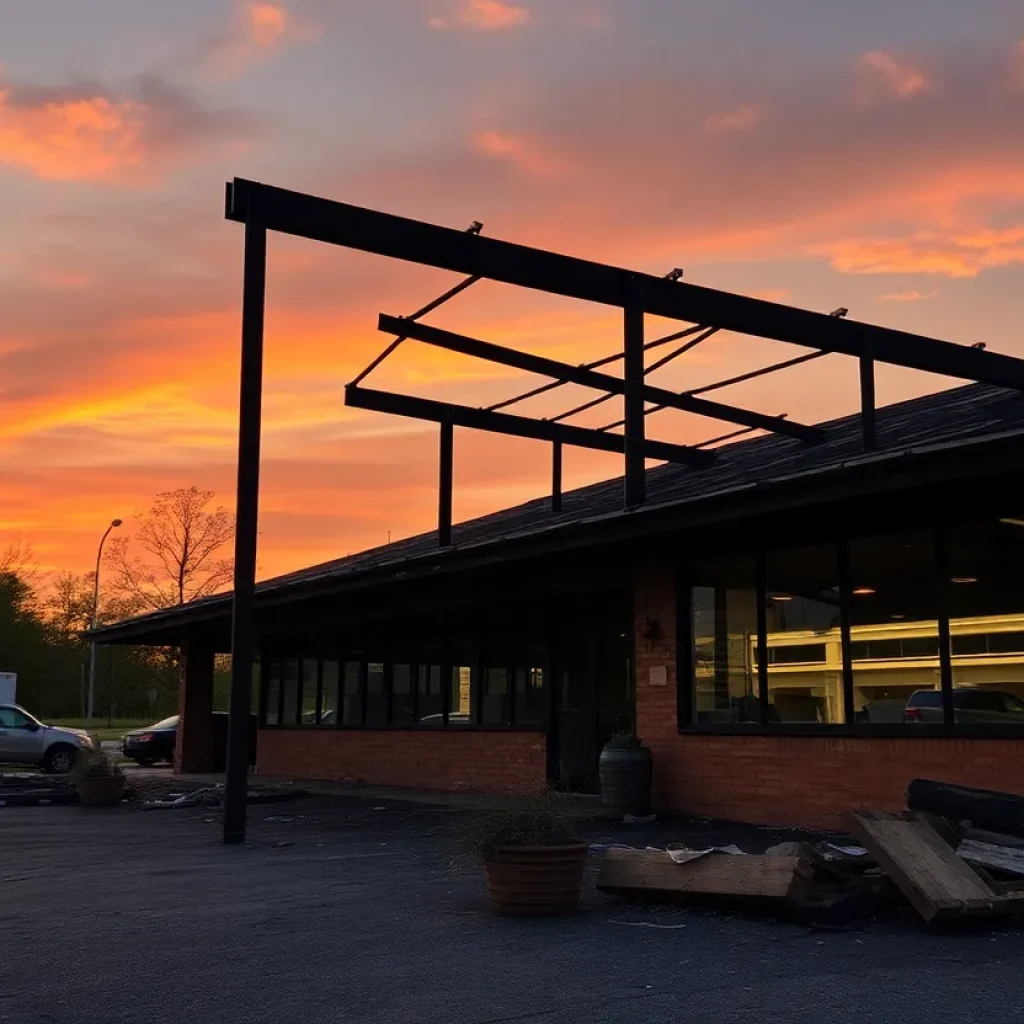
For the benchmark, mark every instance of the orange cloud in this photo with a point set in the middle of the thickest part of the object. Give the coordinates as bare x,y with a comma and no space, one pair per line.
739,119
954,254
909,296
484,16
84,131
261,27
84,138
884,75
521,150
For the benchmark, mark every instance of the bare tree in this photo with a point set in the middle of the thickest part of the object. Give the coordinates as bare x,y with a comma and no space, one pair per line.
18,559
185,541
68,604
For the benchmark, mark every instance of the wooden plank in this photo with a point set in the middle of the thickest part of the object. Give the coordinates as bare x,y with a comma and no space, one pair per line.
1001,858
928,872
994,838
653,873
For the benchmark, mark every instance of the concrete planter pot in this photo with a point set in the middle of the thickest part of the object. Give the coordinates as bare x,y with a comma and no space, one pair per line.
626,780
535,879
101,790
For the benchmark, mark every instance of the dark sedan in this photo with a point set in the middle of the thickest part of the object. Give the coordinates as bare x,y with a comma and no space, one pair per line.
152,744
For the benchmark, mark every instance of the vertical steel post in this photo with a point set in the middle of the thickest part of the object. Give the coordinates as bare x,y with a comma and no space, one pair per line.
556,478
636,480
867,393
445,485
246,513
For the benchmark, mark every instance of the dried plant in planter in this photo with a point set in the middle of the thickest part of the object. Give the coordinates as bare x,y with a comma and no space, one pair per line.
98,778
95,763
533,858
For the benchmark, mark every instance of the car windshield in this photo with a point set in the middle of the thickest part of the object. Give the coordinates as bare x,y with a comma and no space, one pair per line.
167,723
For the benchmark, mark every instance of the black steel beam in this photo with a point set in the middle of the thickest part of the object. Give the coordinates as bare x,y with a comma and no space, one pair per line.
446,484
867,399
415,241
243,605
633,347
591,378
516,426
556,478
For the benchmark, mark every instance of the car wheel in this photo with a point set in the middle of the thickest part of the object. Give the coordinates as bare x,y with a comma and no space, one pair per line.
59,760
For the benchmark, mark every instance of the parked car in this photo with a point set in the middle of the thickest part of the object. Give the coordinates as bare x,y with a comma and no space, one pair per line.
970,704
24,740
152,744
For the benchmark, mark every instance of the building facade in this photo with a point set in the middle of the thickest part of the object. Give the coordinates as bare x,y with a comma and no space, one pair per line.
794,633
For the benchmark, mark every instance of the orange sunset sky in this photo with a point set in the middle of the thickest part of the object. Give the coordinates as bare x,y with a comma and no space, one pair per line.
817,152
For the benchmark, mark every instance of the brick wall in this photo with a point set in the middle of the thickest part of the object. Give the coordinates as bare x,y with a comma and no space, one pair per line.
491,762
785,780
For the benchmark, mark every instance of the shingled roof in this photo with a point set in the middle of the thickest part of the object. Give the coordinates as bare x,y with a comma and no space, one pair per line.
949,418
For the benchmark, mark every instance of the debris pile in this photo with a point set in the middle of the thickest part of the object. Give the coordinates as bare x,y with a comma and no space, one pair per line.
956,854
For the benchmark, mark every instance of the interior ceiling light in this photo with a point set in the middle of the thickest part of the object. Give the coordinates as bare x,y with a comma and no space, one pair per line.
897,616
964,579
1012,522
863,591
782,597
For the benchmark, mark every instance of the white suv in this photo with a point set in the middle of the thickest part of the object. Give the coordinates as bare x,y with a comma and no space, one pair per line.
24,740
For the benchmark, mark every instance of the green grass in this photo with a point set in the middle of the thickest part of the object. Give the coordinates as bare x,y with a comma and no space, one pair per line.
114,731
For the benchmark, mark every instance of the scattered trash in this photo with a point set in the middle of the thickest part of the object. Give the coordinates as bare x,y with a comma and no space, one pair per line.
281,843
633,819
279,817
681,854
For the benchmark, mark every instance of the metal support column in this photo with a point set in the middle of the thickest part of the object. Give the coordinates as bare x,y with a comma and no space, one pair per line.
867,394
246,513
445,485
556,478
636,479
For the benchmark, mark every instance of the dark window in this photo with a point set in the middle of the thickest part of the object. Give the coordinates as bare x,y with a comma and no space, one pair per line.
429,696
797,654
329,694
497,697
12,718
531,697
894,620
273,713
804,637
401,694
724,608
986,620
309,682
376,694
290,712
460,700
969,643
352,694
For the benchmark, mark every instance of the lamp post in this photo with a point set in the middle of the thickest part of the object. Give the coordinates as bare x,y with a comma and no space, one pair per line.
114,523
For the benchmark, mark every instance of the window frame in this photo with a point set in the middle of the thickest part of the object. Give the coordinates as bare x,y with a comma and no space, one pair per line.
687,724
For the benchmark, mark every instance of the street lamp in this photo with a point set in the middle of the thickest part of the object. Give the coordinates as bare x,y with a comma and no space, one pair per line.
114,523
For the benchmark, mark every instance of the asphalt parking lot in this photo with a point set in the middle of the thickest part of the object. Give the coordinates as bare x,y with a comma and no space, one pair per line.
343,909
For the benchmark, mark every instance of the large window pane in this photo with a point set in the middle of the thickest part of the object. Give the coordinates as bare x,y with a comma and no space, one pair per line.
309,674
273,693
724,603
430,698
802,615
401,694
376,694
329,696
352,703
496,708
460,702
894,630
290,712
531,701
986,621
